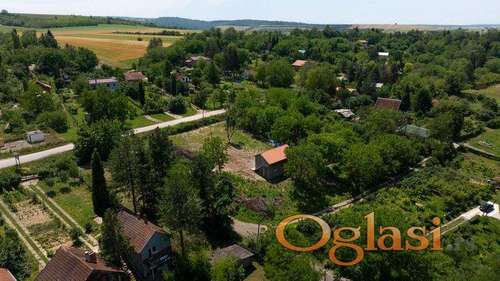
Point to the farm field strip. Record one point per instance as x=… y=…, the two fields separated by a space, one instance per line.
x=33 y=246
x=64 y=217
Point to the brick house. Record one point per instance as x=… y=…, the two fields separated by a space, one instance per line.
x=5 y=275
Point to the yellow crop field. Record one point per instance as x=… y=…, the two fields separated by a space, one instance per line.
x=109 y=42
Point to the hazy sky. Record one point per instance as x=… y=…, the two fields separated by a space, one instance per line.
x=312 y=11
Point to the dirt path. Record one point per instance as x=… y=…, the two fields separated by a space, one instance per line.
x=90 y=241
x=245 y=229
x=33 y=246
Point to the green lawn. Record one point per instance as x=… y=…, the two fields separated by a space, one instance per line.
x=190 y=111
x=488 y=141
x=139 y=121
x=162 y=117
x=77 y=203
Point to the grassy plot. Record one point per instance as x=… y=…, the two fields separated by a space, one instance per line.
x=492 y=92
x=162 y=117
x=488 y=141
x=76 y=201
x=193 y=140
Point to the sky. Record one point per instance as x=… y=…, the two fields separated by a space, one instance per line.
x=310 y=11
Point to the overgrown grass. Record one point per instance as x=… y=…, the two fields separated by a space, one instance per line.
x=488 y=141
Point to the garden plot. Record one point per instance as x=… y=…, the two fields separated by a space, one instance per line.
x=46 y=230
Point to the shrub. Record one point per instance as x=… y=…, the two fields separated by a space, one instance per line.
x=9 y=181
x=494 y=123
x=88 y=227
x=65 y=189
x=75 y=234
x=177 y=105
x=55 y=120
x=51 y=193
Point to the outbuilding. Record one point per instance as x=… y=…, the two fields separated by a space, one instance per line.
x=110 y=83
x=242 y=255
x=270 y=164
x=35 y=136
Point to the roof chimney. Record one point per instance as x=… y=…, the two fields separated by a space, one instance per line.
x=90 y=257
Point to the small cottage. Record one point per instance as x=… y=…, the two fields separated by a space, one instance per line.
x=270 y=164
x=135 y=76
x=192 y=61
x=35 y=136
x=383 y=54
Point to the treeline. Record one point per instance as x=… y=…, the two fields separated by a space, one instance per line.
x=51 y=21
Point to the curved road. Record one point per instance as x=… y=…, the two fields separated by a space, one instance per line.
x=11 y=162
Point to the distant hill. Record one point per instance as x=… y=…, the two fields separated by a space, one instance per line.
x=245 y=24
x=249 y=25
x=51 y=21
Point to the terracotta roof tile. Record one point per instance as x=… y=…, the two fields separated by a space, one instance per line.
x=299 y=63
x=275 y=155
x=137 y=230
x=5 y=275
x=68 y=264
x=384 y=103
x=134 y=76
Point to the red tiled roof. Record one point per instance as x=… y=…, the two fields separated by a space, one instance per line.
x=384 y=103
x=299 y=63
x=138 y=231
x=275 y=155
x=134 y=76
x=5 y=275
x=68 y=264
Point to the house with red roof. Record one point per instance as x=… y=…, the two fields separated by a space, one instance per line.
x=151 y=250
x=73 y=264
x=270 y=164
x=135 y=76
x=5 y=275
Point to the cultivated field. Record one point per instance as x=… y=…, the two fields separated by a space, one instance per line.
x=111 y=47
x=108 y=41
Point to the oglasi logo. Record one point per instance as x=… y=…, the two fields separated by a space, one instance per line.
x=418 y=240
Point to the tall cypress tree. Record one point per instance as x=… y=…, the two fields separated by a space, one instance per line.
x=113 y=245
x=100 y=195
x=141 y=93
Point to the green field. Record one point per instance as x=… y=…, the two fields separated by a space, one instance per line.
x=488 y=141
x=492 y=92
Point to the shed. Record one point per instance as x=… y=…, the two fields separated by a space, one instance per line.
x=415 y=131
x=383 y=54
x=270 y=164
x=244 y=256
x=35 y=136
x=298 y=64
x=346 y=113
x=385 y=103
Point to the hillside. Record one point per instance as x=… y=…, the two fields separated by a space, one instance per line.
x=51 y=21
x=185 y=23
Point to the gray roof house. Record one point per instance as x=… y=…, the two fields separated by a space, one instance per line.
x=109 y=83
x=35 y=136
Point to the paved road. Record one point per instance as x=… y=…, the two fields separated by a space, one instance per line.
x=179 y=121
x=11 y=162
x=245 y=229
